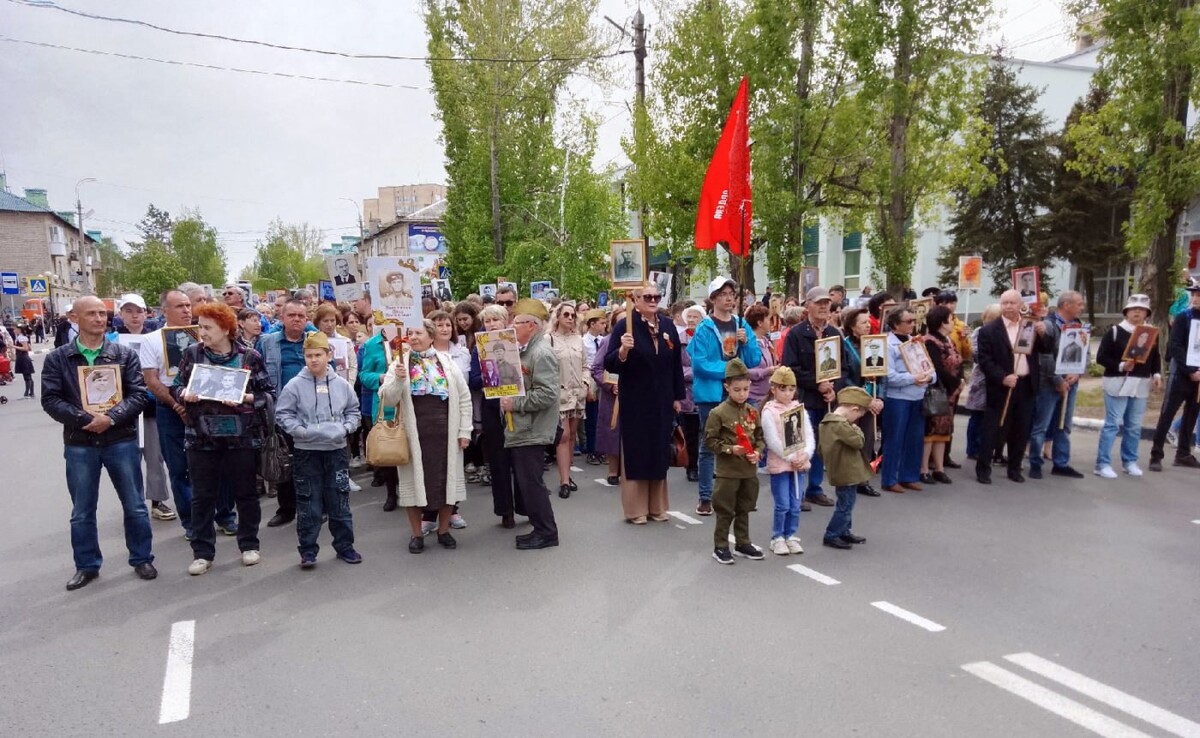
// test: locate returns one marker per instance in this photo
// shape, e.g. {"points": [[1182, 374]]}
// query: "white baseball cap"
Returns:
{"points": [[719, 284], [128, 298]]}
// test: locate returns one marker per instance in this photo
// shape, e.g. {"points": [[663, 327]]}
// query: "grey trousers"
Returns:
{"points": [[156, 471]]}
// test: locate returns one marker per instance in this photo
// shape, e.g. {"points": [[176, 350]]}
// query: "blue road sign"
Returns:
{"points": [[38, 287], [11, 285]]}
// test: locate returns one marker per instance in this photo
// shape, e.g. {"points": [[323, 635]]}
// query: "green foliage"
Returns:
{"points": [[287, 259], [194, 243], [153, 268], [110, 278], [996, 216]]}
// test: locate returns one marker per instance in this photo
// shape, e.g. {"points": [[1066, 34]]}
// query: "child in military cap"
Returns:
{"points": [[734, 434], [841, 443]]}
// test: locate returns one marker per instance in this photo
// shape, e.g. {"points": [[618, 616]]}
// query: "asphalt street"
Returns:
{"points": [[1060, 608]]}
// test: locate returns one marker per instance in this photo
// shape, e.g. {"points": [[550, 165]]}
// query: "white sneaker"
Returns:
{"points": [[428, 526], [356, 462], [1106, 472], [199, 566], [457, 522], [779, 546], [250, 558], [794, 546], [354, 487], [1133, 470]]}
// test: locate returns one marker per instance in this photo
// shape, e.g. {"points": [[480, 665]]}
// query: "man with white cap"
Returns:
{"points": [[719, 338], [132, 309], [1127, 385], [1182, 389]]}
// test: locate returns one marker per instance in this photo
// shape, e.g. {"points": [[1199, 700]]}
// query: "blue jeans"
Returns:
{"points": [[322, 487], [903, 441], [124, 464], [706, 467], [843, 514], [974, 429], [1047, 410], [1121, 411], [1178, 423], [785, 489], [816, 472]]}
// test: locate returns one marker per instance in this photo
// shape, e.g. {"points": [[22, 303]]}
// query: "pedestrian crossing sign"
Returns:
{"points": [[37, 287]]}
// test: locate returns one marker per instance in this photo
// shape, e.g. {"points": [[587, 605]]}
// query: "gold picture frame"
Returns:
{"points": [[874, 355], [828, 359], [628, 264], [100, 388]]}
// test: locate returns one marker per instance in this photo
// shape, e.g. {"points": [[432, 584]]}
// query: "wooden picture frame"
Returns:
{"points": [[628, 264], [874, 363], [100, 388], [174, 342], [810, 277], [791, 429], [828, 359], [916, 357], [920, 307], [1141, 344]]}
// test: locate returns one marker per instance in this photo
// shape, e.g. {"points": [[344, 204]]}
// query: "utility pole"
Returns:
{"points": [[82, 235], [638, 24]]}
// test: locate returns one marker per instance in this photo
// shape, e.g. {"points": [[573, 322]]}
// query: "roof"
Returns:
{"points": [[13, 204]]}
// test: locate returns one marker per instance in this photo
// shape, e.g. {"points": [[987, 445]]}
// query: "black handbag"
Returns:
{"points": [[935, 402], [275, 458]]}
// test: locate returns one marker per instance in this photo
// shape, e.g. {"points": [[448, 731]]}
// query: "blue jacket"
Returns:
{"points": [[371, 369], [268, 346], [708, 361]]}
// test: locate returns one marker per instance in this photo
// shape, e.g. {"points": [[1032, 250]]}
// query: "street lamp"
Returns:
{"points": [[362, 235]]}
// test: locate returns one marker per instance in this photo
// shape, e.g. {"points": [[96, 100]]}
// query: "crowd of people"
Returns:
{"points": [[814, 393]]}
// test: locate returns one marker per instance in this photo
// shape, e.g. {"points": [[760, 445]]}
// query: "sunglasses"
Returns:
{"points": [[567, 315], [910, 320], [230, 293], [506, 303], [651, 298]]}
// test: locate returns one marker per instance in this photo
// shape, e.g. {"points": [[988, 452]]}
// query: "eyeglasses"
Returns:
{"points": [[506, 303], [231, 292], [651, 298], [910, 320], [567, 315]]}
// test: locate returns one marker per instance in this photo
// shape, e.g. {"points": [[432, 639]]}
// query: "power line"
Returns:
{"points": [[324, 52]]}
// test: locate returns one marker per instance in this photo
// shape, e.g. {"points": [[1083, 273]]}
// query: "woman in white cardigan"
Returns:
{"points": [[435, 405]]}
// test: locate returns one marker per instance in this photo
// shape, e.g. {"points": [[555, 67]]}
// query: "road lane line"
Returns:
{"points": [[814, 575], [576, 469], [177, 683], [604, 483], [1197, 522], [685, 518], [911, 617], [1046, 699], [1126, 703]]}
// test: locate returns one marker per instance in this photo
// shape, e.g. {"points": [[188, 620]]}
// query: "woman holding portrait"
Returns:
{"points": [[947, 365], [903, 423], [856, 323]]}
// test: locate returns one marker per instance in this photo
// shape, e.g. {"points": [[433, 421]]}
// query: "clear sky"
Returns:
{"points": [[246, 148]]}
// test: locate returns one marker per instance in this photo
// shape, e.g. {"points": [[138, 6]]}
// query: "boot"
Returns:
{"points": [[391, 502]]}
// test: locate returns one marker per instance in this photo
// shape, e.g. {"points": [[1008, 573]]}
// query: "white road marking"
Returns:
{"points": [[811, 574], [1126, 703], [575, 468], [604, 483], [1046, 699], [911, 617], [177, 683], [685, 518], [681, 527], [1197, 522]]}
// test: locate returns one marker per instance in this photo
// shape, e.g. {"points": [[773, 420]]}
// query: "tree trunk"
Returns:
{"points": [[808, 31], [896, 209]]}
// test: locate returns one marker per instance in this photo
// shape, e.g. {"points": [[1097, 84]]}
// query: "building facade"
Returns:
{"points": [[393, 203]]}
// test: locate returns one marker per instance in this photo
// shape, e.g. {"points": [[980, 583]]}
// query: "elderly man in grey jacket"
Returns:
{"points": [[534, 421]]}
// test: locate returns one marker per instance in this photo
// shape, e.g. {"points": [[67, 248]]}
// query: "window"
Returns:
{"points": [[812, 245], [1113, 287], [851, 259]]}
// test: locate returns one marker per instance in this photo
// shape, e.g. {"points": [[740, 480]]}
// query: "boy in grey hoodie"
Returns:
{"points": [[318, 409]]}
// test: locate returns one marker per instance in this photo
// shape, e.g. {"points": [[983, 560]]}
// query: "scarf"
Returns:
{"points": [[427, 375]]}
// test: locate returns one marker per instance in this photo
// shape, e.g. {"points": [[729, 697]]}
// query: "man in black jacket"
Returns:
{"points": [[92, 441], [1007, 373], [1182, 389]]}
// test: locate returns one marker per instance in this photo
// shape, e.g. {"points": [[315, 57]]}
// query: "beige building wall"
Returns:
{"points": [[396, 202], [27, 241]]}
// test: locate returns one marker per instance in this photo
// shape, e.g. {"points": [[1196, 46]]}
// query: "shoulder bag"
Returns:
{"points": [[679, 452], [387, 443], [275, 458]]}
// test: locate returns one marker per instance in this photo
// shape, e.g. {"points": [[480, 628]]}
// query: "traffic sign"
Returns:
{"points": [[11, 285], [38, 287]]}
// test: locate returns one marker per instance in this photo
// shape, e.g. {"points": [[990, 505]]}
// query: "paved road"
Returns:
{"points": [[1062, 592]]}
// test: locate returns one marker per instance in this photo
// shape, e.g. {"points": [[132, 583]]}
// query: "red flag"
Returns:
{"points": [[727, 184]]}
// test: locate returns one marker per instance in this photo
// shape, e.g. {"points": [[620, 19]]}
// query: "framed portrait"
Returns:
{"points": [[133, 341], [500, 363], [441, 290], [874, 355], [426, 291], [325, 291], [627, 264], [313, 289], [1026, 333], [829, 359], [345, 275], [1193, 344], [970, 272], [175, 340], [916, 358], [809, 277], [100, 387], [487, 290], [1072, 356], [1141, 344], [538, 290], [510, 285], [218, 383], [662, 280], [920, 308], [884, 312], [398, 283], [792, 424], [602, 299], [1028, 281]]}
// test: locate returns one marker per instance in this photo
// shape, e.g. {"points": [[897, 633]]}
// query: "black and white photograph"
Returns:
{"points": [[1027, 281], [218, 383], [662, 280], [793, 429], [100, 387], [346, 274], [829, 359], [538, 290], [487, 290], [510, 285], [916, 357], [920, 308], [627, 265], [1072, 356], [175, 340], [810, 276], [441, 290], [874, 355], [1025, 337]]}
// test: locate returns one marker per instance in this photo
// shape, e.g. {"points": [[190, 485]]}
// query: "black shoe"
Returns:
{"points": [[722, 555], [446, 540], [822, 499], [926, 478], [851, 538], [536, 542], [613, 481], [748, 551], [693, 475], [1155, 464], [983, 478], [280, 519], [1019, 479], [1189, 461], [571, 483], [416, 544], [941, 477], [1065, 471], [837, 543], [1035, 472], [525, 536], [508, 522], [868, 490], [146, 571], [390, 503], [1000, 460], [564, 491], [951, 464], [82, 578]]}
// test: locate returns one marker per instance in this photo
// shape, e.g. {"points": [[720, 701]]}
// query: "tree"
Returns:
{"points": [[156, 226], [280, 261], [153, 268], [910, 72], [194, 243], [997, 214], [110, 278], [1150, 64], [1083, 220]]}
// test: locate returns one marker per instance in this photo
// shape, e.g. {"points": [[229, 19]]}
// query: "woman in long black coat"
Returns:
{"points": [[649, 394]]}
